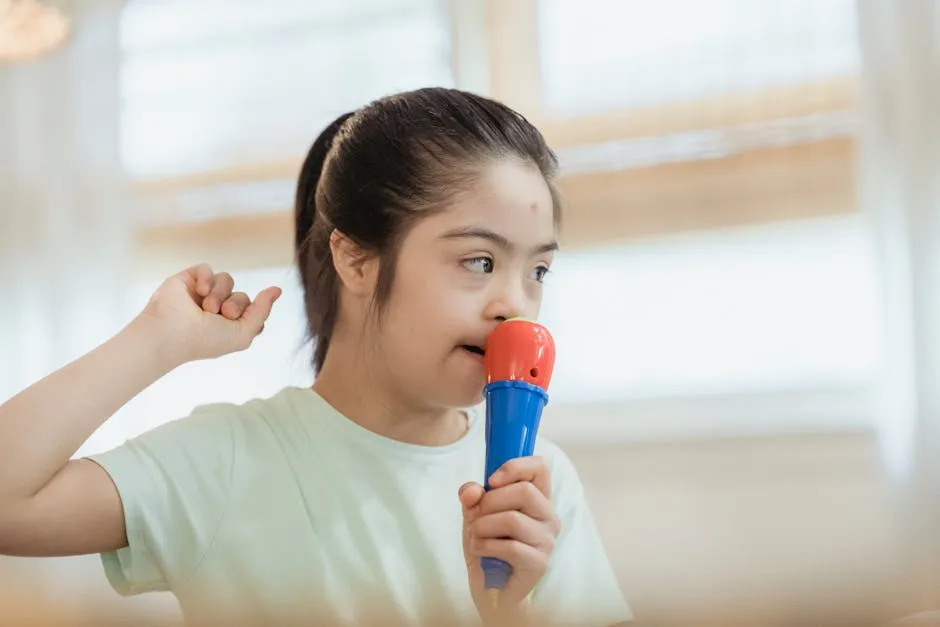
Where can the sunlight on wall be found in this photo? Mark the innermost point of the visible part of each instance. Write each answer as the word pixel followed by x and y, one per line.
pixel 768 309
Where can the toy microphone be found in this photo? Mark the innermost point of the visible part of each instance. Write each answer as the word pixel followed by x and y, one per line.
pixel 519 357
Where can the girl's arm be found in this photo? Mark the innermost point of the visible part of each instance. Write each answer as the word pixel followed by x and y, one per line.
pixel 50 505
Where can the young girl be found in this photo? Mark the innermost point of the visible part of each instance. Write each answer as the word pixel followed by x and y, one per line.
pixel 422 221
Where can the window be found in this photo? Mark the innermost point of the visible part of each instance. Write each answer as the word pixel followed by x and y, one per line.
pixel 767 309
pixel 212 84
pixel 599 55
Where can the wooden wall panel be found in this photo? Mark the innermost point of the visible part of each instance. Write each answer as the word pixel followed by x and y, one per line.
pixel 604 208
pixel 768 185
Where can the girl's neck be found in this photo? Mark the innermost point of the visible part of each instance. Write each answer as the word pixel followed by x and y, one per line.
pixel 361 391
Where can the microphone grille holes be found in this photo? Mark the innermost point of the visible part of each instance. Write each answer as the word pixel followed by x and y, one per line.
pixel 534 373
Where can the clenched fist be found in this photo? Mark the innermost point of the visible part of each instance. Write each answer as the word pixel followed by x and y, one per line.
pixel 198 314
pixel 514 521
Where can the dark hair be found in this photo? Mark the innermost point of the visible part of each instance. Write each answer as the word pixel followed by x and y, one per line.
pixel 371 173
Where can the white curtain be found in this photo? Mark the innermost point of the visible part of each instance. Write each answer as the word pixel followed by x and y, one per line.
pixel 900 191
pixel 65 226
pixel 66 234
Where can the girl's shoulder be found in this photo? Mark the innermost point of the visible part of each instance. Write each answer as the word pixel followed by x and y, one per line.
pixel 212 433
pixel 272 412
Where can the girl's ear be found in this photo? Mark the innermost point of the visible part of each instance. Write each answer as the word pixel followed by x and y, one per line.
pixel 357 270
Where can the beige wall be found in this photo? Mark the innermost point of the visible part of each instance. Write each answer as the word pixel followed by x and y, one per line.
pixel 768 531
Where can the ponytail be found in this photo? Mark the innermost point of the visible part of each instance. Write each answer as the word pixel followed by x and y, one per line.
pixel 312 232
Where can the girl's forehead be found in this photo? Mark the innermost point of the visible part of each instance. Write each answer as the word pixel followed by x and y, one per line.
pixel 506 195
pixel 515 185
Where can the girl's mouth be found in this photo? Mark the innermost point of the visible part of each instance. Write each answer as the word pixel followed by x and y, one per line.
pixel 473 349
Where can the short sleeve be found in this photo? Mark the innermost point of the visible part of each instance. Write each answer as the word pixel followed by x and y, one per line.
pixel 580 587
pixel 174 483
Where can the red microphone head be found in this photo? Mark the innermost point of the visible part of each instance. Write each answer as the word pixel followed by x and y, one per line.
pixel 520 350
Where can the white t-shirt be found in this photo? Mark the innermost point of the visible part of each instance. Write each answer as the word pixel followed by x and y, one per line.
pixel 284 508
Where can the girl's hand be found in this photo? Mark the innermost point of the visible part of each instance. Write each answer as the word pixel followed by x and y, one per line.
pixel 515 521
pixel 199 316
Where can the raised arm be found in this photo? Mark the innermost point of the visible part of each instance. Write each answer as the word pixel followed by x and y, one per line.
pixel 52 505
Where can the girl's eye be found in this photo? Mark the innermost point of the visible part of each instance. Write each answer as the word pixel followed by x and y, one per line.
pixel 540 273
pixel 483 265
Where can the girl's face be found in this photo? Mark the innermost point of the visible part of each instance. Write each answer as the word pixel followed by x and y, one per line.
pixel 460 272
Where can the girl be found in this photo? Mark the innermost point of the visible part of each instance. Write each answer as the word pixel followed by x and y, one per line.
pixel 422 221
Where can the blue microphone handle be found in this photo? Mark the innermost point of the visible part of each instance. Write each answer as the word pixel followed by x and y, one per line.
pixel 513 412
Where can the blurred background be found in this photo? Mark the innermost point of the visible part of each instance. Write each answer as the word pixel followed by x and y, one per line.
pixel 746 304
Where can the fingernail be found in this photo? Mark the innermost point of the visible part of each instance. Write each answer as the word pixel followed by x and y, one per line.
pixel 464 487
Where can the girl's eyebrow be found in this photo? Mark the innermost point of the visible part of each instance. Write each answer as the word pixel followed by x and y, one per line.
pixel 496 238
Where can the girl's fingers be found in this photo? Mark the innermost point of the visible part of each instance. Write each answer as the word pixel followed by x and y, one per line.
pixel 235 306
pixel 519 555
pixel 222 285
pixel 523 497
pixel 533 469
pixel 514 525
pixel 202 276
pixel 255 315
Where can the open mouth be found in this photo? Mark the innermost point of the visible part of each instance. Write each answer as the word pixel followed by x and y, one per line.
pixel 476 350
